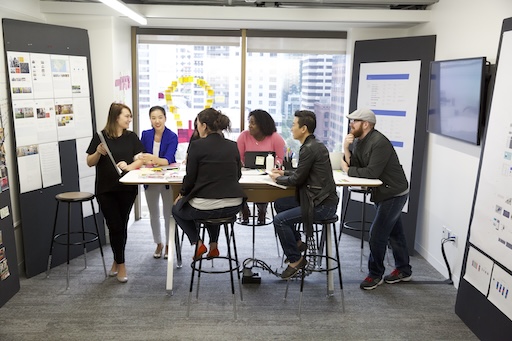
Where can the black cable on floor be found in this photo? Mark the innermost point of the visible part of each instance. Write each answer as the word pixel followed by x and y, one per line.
pixel 444 241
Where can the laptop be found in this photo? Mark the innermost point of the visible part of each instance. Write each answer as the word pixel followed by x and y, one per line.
pixel 256 160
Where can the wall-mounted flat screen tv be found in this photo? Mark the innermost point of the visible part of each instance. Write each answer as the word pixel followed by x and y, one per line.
pixel 456 106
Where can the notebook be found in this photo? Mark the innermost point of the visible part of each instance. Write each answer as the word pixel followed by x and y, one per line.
pixel 256 160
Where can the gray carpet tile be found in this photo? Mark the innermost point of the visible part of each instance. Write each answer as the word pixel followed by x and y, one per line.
pixel 95 308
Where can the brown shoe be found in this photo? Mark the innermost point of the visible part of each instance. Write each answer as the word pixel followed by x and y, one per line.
pixel 262 215
pixel 244 219
pixel 292 271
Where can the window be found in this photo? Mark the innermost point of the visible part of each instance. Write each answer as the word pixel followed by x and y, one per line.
pixel 188 73
pixel 299 73
pixel 290 70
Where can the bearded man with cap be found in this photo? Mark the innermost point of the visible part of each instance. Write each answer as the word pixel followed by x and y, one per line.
pixel 369 154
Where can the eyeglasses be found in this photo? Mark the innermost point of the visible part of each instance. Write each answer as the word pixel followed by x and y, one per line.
pixel 353 121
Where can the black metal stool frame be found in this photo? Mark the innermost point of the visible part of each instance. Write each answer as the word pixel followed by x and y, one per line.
pixel 69 198
pixel 313 261
pixel 347 224
pixel 252 217
pixel 228 224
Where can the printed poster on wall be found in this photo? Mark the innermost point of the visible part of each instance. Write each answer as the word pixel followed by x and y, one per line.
pixel 20 77
pixel 79 76
pixel 51 103
pixel 390 90
pixel 4 180
pixel 41 75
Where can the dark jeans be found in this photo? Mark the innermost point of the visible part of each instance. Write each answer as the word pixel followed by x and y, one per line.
pixel 387 228
pixel 116 207
pixel 185 217
pixel 288 215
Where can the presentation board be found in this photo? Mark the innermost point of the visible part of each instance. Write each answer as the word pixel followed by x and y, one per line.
pixel 390 76
pixel 390 90
pixel 484 298
pixel 50 90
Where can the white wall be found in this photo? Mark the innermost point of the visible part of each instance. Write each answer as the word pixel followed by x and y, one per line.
pixel 464 29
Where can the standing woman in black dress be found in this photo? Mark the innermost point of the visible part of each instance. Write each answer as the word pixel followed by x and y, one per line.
pixel 115 199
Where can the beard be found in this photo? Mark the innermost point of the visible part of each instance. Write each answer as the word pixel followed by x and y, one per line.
pixel 357 132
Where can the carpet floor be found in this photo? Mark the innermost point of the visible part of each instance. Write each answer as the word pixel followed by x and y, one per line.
pixel 95 308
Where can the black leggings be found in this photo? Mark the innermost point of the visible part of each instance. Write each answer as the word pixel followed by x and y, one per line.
pixel 116 207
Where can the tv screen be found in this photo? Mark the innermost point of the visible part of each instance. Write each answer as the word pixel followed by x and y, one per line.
pixel 457 98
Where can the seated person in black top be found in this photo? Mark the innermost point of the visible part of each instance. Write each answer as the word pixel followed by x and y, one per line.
pixel 315 196
pixel 210 188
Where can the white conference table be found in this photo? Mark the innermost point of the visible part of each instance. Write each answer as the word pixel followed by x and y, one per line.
pixel 258 186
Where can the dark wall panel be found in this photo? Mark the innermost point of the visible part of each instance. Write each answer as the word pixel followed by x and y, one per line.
pixel 389 50
pixel 38 207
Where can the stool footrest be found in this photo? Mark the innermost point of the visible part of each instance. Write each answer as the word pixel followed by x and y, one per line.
pixel 346 225
pixel 312 269
pixel 235 267
pixel 81 242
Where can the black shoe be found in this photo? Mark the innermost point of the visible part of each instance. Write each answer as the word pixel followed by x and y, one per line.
pixel 292 271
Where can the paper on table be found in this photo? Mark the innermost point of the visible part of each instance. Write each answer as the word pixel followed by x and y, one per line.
pixel 264 179
pixel 102 139
pixel 248 171
pixel 273 183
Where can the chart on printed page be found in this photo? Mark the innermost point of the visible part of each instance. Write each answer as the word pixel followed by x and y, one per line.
pixel 390 90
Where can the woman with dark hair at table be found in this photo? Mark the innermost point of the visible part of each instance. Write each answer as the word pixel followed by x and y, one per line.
pixel 261 136
pixel 160 144
pixel 210 187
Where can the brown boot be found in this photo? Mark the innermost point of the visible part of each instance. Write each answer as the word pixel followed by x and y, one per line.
pixel 244 219
pixel 262 213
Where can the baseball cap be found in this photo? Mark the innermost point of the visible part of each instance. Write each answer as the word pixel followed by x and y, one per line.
pixel 363 115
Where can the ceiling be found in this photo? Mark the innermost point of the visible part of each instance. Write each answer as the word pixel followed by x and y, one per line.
pixel 380 4
pixel 311 15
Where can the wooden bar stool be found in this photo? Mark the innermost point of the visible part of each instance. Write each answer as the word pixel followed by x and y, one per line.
pixel 231 258
pixel 315 255
pixel 65 238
